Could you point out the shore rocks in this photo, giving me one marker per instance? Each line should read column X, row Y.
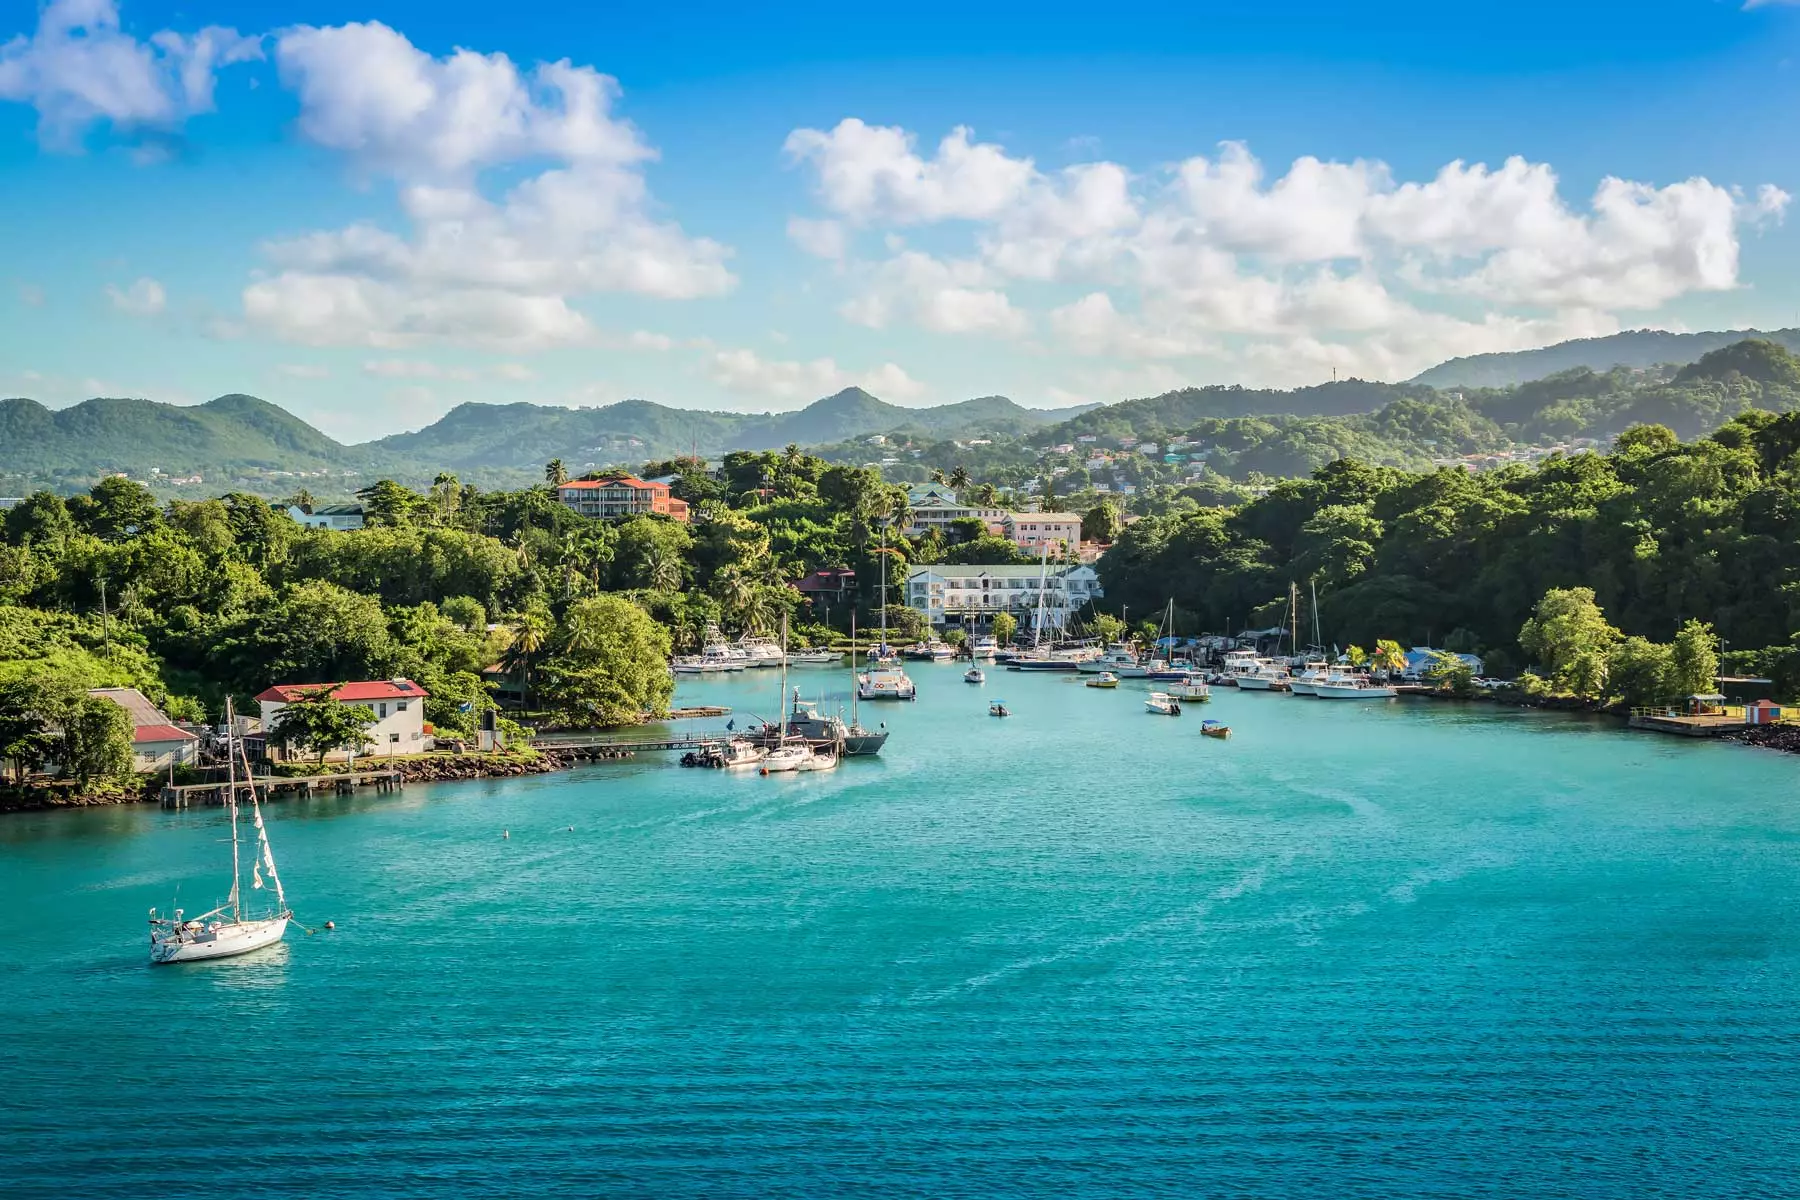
column 1785, row 738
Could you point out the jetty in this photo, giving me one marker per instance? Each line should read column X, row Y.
column 185, row 795
column 1701, row 716
column 691, row 739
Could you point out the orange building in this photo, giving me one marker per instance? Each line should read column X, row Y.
column 625, row 496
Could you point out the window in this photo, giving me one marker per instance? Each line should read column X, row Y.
column 401, row 707
column 393, row 737
column 383, row 713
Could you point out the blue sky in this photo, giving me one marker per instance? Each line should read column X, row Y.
column 370, row 214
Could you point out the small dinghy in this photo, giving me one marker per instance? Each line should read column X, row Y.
column 1215, row 729
column 998, row 709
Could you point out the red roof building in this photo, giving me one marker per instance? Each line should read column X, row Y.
column 833, row 584
column 625, row 496
column 347, row 693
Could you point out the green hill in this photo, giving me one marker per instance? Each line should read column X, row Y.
column 1639, row 349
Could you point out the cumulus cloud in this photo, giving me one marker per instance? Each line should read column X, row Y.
column 80, row 69
column 747, row 373
column 514, row 372
column 144, row 298
column 1323, row 264
column 942, row 296
column 473, row 268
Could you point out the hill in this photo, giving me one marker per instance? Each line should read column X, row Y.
column 1179, row 409
column 111, row 434
column 1639, row 349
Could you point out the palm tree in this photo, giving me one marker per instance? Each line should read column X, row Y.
column 662, row 573
column 1356, row 656
column 937, row 476
column 530, row 633
column 446, row 489
column 555, row 474
column 790, row 458
column 959, row 479
column 734, row 592
column 1390, row 657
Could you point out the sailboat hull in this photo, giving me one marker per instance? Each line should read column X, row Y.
column 229, row 939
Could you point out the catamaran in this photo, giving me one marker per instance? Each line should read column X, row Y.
column 227, row 930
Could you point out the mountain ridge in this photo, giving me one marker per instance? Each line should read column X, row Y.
column 1638, row 349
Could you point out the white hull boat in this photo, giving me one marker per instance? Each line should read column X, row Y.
column 1162, row 704
column 885, row 683
column 815, row 658
column 197, row 940
column 784, row 759
column 227, row 930
column 1353, row 691
column 819, row 760
column 974, row 675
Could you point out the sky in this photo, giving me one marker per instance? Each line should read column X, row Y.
column 369, row 214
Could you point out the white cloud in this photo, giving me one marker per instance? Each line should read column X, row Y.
column 80, row 69
column 144, row 298
column 414, row 368
column 945, row 297
column 516, row 372
column 303, row 370
column 872, row 172
column 821, row 239
column 747, row 373
column 501, row 272
column 1327, row 263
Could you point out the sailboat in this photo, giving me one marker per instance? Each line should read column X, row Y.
column 1038, row 660
column 227, row 930
column 884, row 680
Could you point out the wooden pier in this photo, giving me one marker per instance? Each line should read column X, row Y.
column 689, row 740
column 1714, row 721
column 343, row 783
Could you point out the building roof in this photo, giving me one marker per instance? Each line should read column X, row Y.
column 1047, row 516
column 628, row 481
column 347, row 693
column 829, row 580
column 144, row 734
column 338, row 510
column 992, row 572
column 135, row 703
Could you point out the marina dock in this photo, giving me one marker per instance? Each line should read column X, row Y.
column 1713, row 722
column 185, row 795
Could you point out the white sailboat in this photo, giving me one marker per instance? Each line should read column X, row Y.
column 884, row 680
column 797, row 755
column 227, row 930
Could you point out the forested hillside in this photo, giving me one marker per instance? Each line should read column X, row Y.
column 1638, row 349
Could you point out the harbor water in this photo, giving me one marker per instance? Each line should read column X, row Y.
column 1362, row 949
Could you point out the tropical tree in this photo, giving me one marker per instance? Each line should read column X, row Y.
column 1570, row 637
column 1390, row 657
column 1356, row 656
column 959, row 479
column 530, row 632
column 1005, row 625
column 555, row 474
column 937, row 476
column 316, row 722
column 1694, row 660
column 611, row 665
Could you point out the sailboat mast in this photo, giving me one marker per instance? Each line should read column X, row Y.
column 1293, row 617
column 231, row 803
column 883, row 596
column 1037, row 637
column 855, row 686
column 1318, row 638
column 783, row 729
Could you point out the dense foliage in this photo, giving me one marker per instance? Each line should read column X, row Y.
column 1661, row 533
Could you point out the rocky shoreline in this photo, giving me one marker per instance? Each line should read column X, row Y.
column 446, row 768
column 1785, row 738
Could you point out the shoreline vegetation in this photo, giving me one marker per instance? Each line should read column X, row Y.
column 1604, row 577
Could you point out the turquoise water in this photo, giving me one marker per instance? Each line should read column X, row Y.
column 1404, row 949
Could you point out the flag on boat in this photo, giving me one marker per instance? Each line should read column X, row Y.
column 255, row 876
column 731, row 725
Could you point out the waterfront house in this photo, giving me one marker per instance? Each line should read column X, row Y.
column 1419, row 659
column 834, row 585
column 398, row 705
column 157, row 743
column 339, row 517
column 947, row 594
column 622, row 496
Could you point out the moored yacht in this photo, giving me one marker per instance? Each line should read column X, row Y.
column 1119, row 659
column 1347, row 685
column 1309, row 676
column 1266, row 676
column 760, row 651
column 984, row 646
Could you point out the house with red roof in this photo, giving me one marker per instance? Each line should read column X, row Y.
column 623, row 496
column 157, row 743
column 398, row 705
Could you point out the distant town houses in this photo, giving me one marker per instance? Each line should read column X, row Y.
column 621, row 496
column 1030, row 531
column 398, row 704
column 972, row 595
column 339, row 517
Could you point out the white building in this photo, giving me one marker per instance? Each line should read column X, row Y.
column 1028, row 531
column 157, row 743
column 340, row 517
column 948, row 594
column 398, row 704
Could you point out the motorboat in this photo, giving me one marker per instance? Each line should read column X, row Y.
column 1193, row 689
column 1162, row 704
column 885, row 683
column 760, row 651
column 1158, row 671
column 1265, row 676
column 1311, row 674
column 974, row 675
column 229, row 929
column 1118, row 661
column 1106, row 679
column 815, row 658
column 998, row 709
column 741, row 753
column 786, row 758
column 930, row 651
column 1346, row 685
column 1215, row 729
column 1043, row 662
column 984, row 647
